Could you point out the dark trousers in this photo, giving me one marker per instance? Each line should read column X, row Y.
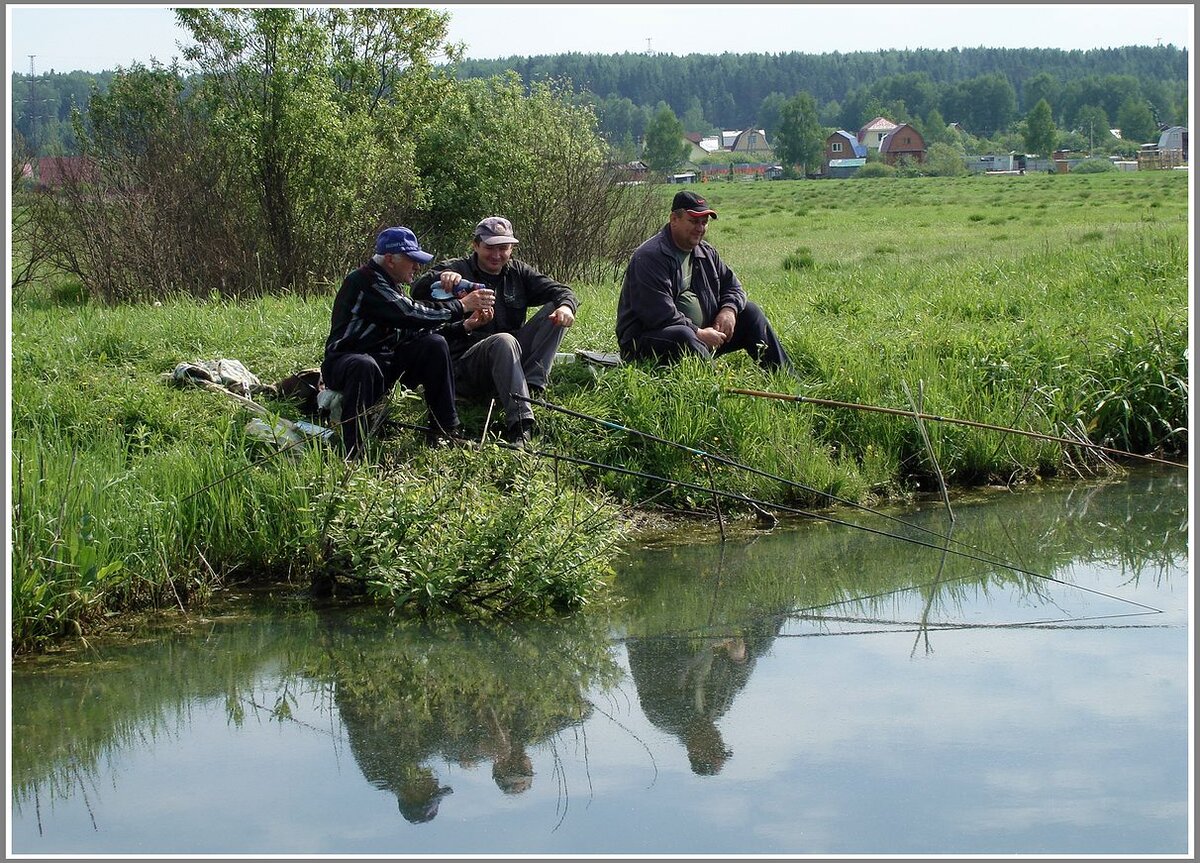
column 752, row 333
column 363, row 380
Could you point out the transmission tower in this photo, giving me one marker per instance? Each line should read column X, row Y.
column 32, row 106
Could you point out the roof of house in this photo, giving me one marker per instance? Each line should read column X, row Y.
column 856, row 146
column 890, row 142
column 710, row 144
column 758, row 132
column 879, row 124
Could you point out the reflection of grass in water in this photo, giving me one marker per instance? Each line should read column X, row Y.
column 820, row 565
column 463, row 692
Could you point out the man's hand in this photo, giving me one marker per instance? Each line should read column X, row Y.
column 562, row 316
column 711, row 337
column 725, row 321
column 478, row 319
column 449, row 279
column 484, row 298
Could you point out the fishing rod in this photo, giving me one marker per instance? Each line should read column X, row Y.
column 973, row 423
column 828, row 518
column 746, row 467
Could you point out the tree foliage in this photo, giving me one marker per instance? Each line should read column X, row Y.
column 665, row 148
column 1039, row 130
column 304, row 132
column 801, row 137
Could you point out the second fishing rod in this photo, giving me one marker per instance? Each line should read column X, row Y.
column 750, row 469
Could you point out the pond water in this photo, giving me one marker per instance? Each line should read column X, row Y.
column 818, row 689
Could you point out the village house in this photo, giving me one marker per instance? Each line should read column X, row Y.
column 873, row 133
column 902, row 142
column 844, row 149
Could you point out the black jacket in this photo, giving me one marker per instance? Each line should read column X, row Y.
column 519, row 287
column 373, row 315
column 654, row 280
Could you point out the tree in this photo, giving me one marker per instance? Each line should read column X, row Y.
column 1039, row 129
column 1092, row 123
column 1041, row 86
column 1136, row 121
column 944, row 160
column 313, row 110
column 768, row 113
column 801, row 138
column 665, row 148
column 693, row 117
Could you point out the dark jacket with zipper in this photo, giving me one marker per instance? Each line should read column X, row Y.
column 372, row 315
column 654, row 279
column 519, row 287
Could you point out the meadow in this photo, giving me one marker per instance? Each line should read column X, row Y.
column 1054, row 303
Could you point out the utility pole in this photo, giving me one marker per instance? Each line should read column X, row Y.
column 649, row 50
column 32, row 107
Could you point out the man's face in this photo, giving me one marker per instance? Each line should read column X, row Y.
column 401, row 267
column 687, row 230
column 493, row 258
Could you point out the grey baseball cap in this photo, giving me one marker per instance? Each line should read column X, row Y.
column 495, row 231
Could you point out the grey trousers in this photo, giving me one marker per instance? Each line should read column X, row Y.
column 504, row 364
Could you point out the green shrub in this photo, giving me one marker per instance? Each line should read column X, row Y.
column 873, row 170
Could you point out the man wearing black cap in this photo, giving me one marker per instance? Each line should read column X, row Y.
column 678, row 297
column 378, row 336
column 505, row 355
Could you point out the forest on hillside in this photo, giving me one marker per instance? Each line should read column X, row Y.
column 984, row 90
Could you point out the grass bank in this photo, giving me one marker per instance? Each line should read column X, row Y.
column 1052, row 303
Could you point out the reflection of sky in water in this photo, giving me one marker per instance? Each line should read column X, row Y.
column 847, row 736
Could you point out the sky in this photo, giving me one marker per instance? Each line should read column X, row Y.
column 98, row 37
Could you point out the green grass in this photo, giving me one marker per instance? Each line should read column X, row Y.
column 1063, row 309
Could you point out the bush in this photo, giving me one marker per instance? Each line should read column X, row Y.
column 1093, row 166
column 273, row 169
column 874, row 169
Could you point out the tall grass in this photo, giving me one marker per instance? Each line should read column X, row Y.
column 1069, row 315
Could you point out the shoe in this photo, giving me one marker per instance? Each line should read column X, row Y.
column 520, row 435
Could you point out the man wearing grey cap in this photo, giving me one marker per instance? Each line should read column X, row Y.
column 507, row 355
column 679, row 298
column 378, row 336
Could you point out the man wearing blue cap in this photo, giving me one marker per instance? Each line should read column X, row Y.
column 378, row 336
column 678, row 297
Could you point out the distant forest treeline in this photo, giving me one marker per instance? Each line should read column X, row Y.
column 986, row 90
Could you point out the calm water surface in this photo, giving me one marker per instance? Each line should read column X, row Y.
column 813, row 690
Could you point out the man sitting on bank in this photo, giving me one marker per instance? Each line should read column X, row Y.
column 505, row 356
column 378, row 336
column 679, row 297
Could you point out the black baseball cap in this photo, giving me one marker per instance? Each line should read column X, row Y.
column 693, row 203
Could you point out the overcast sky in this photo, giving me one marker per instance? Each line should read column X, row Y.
column 98, row 37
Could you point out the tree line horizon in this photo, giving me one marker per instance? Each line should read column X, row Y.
column 984, row 90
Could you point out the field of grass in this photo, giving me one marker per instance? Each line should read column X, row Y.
column 1051, row 303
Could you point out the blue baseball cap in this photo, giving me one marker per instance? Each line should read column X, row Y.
column 403, row 241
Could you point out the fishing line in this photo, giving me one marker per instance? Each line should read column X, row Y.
column 745, row 467
column 973, row 423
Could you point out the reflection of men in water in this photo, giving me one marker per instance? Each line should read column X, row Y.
column 685, row 684
column 389, row 755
